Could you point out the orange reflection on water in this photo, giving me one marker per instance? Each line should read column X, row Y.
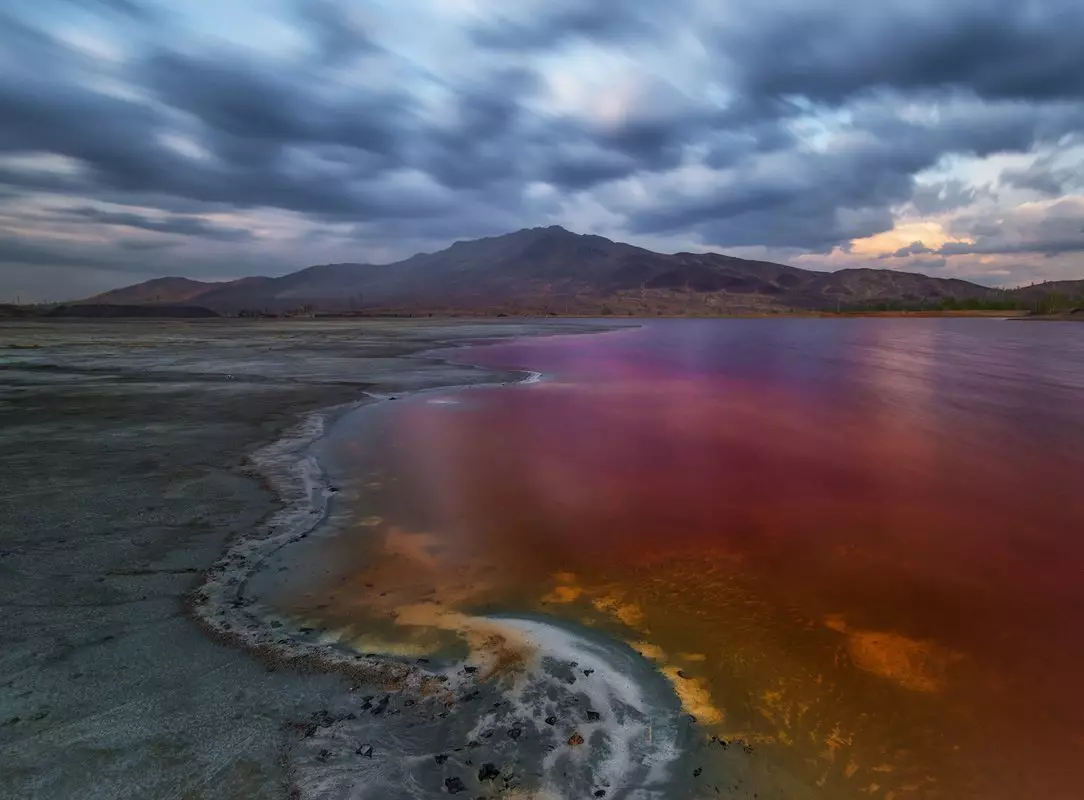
column 884, row 595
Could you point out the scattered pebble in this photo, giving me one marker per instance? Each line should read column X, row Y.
column 454, row 785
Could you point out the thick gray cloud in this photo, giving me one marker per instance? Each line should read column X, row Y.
column 1045, row 177
column 355, row 126
column 174, row 223
column 831, row 50
column 922, row 264
column 1059, row 229
column 913, row 249
column 946, row 196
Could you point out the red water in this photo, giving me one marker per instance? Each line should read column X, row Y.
column 861, row 542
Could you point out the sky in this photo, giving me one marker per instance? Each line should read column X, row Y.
column 222, row 138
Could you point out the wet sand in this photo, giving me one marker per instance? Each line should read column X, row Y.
column 125, row 449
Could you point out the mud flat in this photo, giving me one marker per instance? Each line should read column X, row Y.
column 126, row 449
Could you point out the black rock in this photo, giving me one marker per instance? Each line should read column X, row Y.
column 696, row 772
column 488, row 772
column 600, row 793
column 470, row 670
column 551, row 720
column 515, row 733
column 454, row 785
column 382, row 706
column 366, row 750
column 593, row 716
column 587, row 672
column 324, row 756
column 441, row 758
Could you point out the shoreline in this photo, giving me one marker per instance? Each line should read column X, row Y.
column 109, row 687
column 302, row 493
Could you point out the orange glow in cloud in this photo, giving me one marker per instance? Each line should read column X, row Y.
column 931, row 234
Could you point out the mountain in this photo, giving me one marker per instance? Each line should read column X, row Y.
column 166, row 291
column 552, row 270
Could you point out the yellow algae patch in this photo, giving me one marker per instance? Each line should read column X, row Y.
column 649, row 651
column 836, row 741
column 563, row 594
column 911, row 663
column 372, row 644
column 836, row 623
column 851, row 770
column 499, row 647
column 694, row 696
column 628, row 613
column 372, row 522
column 412, row 546
column 692, row 656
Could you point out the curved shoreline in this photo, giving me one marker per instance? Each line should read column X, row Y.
column 289, row 469
column 631, row 724
column 303, row 490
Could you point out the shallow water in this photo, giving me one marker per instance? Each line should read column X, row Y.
column 855, row 545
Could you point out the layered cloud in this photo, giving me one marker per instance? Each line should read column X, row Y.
column 144, row 138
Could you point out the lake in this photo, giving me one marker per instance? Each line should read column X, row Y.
column 854, row 546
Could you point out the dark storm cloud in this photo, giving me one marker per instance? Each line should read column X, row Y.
column 1043, row 176
column 913, row 249
column 1050, row 231
column 174, row 224
column 237, row 98
column 916, row 80
column 143, row 246
column 20, row 250
column 830, row 50
column 548, row 25
column 941, row 197
column 337, row 35
column 815, row 200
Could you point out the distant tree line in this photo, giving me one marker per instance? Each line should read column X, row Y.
column 1048, row 303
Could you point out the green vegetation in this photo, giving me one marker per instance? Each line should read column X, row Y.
column 1045, row 303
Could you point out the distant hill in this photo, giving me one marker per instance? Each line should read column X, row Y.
column 552, row 270
column 166, row 291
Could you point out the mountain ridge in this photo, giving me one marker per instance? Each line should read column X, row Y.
column 550, row 270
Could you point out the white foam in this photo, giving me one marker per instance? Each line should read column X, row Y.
column 632, row 742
